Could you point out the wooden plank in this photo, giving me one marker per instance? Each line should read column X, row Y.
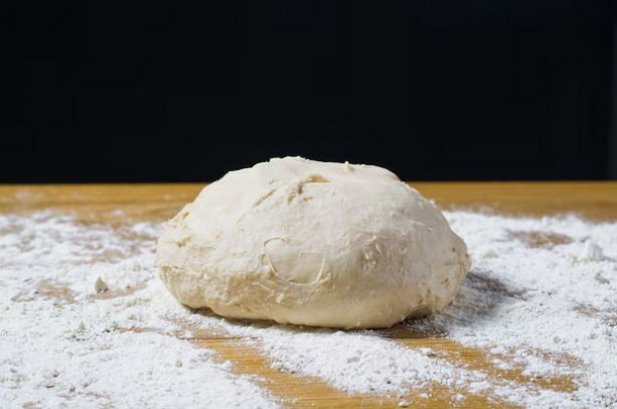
column 306, row 392
column 103, row 202
column 119, row 204
column 593, row 200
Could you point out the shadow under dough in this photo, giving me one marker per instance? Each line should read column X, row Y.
column 480, row 295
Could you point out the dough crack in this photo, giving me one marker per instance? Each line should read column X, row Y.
column 263, row 198
column 299, row 188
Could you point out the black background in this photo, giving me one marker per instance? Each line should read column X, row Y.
column 174, row 91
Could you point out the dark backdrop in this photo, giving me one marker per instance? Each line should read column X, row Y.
column 173, row 91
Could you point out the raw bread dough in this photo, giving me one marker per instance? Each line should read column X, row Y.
column 312, row 243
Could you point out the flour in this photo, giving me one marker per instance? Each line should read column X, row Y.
column 86, row 323
column 60, row 346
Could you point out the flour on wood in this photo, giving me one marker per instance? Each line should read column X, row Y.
column 545, row 312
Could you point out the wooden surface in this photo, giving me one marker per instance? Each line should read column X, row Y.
column 594, row 200
column 118, row 204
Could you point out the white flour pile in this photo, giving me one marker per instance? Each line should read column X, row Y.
column 541, row 297
column 63, row 348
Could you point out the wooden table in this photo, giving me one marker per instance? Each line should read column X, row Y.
column 118, row 204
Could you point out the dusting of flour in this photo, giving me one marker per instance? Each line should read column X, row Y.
column 76, row 298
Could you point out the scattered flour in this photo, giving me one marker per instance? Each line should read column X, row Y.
column 541, row 297
column 60, row 346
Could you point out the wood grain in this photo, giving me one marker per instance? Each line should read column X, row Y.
column 109, row 203
column 120, row 204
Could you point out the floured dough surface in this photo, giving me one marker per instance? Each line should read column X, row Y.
column 312, row 243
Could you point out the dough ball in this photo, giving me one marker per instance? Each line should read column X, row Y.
column 312, row 243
